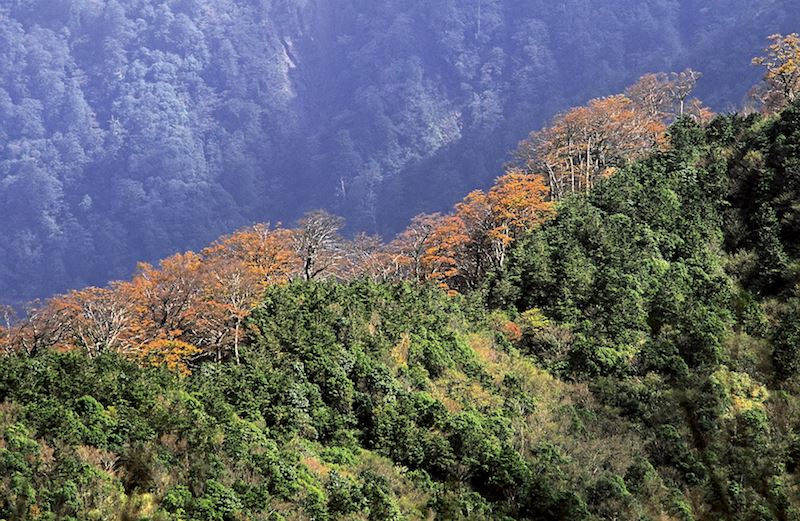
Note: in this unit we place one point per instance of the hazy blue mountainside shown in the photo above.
(130, 129)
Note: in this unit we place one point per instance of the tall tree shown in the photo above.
(318, 243)
(98, 319)
(652, 94)
(232, 290)
(681, 85)
(478, 253)
(781, 60)
(427, 249)
(166, 298)
(268, 252)
(665, 97)
(519, 204)
(586, 143)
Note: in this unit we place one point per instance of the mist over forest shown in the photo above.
(131, 129)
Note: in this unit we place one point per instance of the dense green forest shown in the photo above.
(635, 358)
(133, 129)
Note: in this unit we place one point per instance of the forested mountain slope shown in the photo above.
(635, 357)
(133, 129)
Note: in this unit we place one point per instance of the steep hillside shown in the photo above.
(635, 358)
(352, 402)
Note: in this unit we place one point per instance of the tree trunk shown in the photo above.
(236, 340)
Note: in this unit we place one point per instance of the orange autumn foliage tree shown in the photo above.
(97, 320)
(192, 304)
(232, 290)
(174, 354)
(665, 97)
(202, 300)
(519, 204)
(458, 250)
(491, 222)
(268, 253)
(447, 239)
(781, 60)
(479, 253)
(166, 304)
(426, 250)
(585, 143)
(239, 267)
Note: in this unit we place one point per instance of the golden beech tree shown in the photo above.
(519, 204)
(458, 250)
(194, 301)
(232, 290)
(617, 132)
(516, 204)
(63, 323)
(440, 259)
(781, 60)
(586, 143)
(171, 353)
(427, 248)
(268, 252)
(664, 97)
(238, 269)
(197, 301)
(97, 319)
(166, 298)
(479, 252)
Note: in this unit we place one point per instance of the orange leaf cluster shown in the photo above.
(457, 250)
(586, 143)
(781, 60)
(190, 306)
(170, 353)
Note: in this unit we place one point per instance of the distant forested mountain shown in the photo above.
(133, 128)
